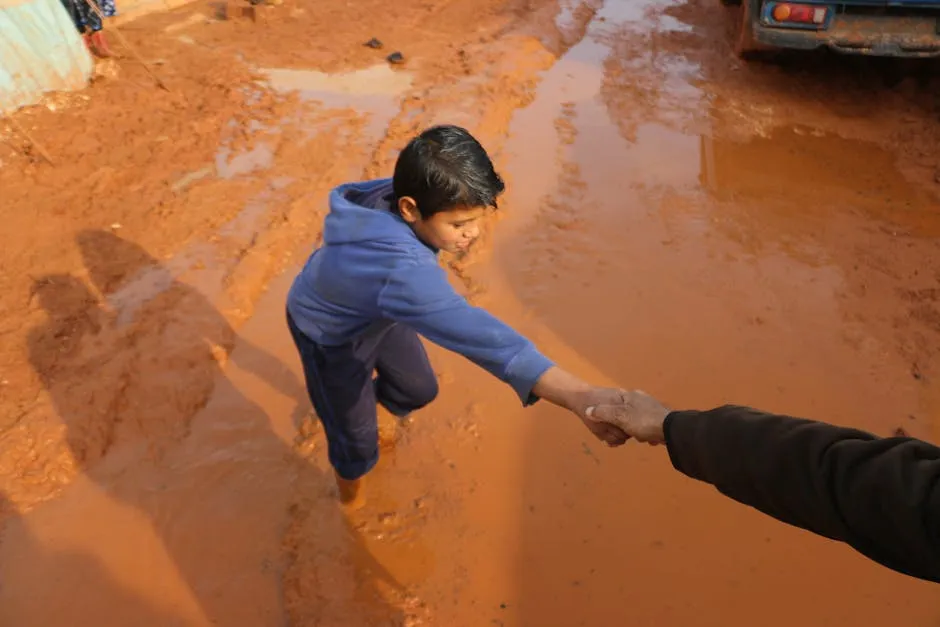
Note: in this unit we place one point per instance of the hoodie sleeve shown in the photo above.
(421, 297)
(879, 495)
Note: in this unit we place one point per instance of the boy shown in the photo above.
(357, 307)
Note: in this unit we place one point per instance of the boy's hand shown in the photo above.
(566, 390)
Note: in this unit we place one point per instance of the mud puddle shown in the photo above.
(807, 172)
(680, 257)
(374, 91)
(623, 263)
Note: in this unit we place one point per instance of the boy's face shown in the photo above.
(453, 230)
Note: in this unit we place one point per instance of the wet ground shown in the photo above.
(676, 221)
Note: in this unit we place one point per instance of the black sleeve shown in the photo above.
(879, 495)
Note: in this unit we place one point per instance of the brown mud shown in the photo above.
(676, 221)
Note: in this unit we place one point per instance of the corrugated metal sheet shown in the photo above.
(40, 51)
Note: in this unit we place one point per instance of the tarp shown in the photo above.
(40, 51)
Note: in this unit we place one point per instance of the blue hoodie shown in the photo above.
(373, 270)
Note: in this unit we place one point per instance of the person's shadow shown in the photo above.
(135, 374)
(80, 571)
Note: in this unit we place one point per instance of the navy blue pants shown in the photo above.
(388, 366)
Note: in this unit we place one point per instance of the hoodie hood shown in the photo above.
(360, 212)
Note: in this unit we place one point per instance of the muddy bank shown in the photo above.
(159, 454)
(222, 179)
(712, 264)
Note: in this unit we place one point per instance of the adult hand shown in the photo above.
(637, 414)
(562, 388)
(611, 434)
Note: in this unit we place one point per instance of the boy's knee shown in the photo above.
(403, 397)
(422, 392)
(425, 393)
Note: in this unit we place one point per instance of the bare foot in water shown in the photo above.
(350, 492)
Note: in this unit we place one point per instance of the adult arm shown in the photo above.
(879, 495)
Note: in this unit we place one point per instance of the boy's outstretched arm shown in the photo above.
(421, 297)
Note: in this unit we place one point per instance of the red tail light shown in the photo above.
(788, 12)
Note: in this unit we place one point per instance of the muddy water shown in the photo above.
(705, 265)
(649, 241)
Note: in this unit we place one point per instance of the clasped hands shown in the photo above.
(614, 415)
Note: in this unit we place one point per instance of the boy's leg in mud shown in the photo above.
(406, 381)
(340, 384)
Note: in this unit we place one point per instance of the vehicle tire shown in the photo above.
(745, 46)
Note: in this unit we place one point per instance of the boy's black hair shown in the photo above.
(445, 167)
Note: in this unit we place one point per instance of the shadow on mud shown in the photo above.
(133, 363)
(80, 571)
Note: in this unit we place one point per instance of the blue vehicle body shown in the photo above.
(889, 28)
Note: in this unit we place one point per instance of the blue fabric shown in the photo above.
(84, 17)
(344, 392)
(372, 271)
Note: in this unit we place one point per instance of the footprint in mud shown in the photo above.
(331, 568)
(445, 377)
(416, 612)
(379, 522)
(466, 424)
(339, 559)
(565, 124)
(392, 431)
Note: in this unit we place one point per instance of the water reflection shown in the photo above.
(373, 91)
(708, 260)
(813, 173)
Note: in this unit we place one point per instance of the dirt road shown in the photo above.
(676, 221)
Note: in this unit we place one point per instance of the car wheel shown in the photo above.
(745, 46)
